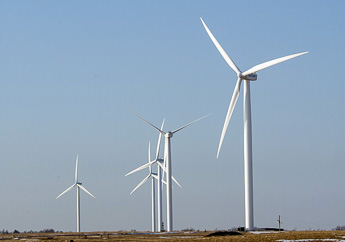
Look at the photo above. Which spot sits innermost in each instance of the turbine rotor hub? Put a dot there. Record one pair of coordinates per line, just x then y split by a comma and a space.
251, 77
169, 135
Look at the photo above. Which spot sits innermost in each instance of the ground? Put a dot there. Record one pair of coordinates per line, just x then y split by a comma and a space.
285, 236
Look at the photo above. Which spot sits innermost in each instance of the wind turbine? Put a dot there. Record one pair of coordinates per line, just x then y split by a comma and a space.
167, 158
246, 76
153, 176
158, 176
78, 185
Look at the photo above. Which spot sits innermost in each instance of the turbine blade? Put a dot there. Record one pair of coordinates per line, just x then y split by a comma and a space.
230, 110
68, 189
76, 170
190, 123
271, 63
176, 181
159, 141
141, 167
150, 168
149, 152
162, 166
221, 50
162, 132
82, 187
141, 183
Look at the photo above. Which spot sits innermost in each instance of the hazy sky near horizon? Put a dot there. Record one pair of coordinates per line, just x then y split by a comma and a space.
68, 68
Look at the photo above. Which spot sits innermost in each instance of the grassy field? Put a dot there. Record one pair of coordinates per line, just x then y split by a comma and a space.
180, 236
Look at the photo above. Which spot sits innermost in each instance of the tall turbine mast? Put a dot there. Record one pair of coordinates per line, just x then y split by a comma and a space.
247, 76
159, 185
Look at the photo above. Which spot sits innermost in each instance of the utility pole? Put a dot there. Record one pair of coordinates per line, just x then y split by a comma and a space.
279, 222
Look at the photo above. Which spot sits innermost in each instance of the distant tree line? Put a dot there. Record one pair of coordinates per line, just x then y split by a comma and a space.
5, 231
339, 228
188, 229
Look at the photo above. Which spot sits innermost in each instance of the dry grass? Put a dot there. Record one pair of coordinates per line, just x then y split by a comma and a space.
179, 236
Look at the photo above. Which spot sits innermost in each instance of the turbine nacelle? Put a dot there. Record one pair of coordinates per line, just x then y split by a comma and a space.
249, 77
169, 134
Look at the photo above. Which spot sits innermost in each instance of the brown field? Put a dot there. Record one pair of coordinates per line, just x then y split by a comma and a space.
180, 236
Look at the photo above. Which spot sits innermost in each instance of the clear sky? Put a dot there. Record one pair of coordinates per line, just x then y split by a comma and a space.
67, 69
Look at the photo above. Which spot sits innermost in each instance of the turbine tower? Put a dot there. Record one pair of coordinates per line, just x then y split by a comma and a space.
167, 158
247, 77
78, 185
159, 185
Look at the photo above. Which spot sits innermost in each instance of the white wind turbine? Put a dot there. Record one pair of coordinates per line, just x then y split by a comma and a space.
159, 186
161, 166
78, 185
167, 158
246, 76
153, 176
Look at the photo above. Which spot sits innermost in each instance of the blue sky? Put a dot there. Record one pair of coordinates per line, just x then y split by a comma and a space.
69, 67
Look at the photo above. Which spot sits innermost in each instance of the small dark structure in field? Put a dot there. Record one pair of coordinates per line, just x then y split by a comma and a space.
223, 233
271, 229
